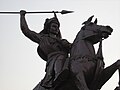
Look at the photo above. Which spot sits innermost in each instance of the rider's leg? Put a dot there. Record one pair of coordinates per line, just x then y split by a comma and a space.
61, 69
47, 81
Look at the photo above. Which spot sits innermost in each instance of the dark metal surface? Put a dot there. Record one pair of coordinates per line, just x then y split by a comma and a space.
37, 12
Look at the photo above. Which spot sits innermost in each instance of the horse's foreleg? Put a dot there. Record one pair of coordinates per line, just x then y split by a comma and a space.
107, 73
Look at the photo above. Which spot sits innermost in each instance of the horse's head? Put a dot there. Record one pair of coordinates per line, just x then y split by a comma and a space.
93, 32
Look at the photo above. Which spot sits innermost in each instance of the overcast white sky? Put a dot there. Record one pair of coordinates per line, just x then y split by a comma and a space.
20, 66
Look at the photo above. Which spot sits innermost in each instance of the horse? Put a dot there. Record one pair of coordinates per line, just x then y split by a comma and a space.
87, 69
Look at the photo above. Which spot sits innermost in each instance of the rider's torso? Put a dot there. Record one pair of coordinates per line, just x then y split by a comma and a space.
49, 45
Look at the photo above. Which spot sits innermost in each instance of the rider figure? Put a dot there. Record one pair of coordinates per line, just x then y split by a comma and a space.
52, 48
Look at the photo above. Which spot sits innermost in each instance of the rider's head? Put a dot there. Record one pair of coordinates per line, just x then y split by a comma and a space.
51, 23
52, 26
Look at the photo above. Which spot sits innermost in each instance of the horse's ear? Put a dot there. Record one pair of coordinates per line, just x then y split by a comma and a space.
89, 20
95, 22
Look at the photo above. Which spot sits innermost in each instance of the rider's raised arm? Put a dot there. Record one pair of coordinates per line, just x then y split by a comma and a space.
25, 29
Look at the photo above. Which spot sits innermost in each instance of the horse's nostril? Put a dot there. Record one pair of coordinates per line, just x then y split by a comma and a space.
109, 28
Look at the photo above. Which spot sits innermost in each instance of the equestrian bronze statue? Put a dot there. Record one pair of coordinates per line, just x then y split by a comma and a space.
71, 66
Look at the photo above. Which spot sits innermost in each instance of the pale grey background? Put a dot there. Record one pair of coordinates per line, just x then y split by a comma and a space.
20, 66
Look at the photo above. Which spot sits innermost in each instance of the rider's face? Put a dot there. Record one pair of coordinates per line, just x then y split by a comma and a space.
54, 28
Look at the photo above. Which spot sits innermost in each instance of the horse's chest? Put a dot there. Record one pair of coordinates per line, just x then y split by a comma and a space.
83, 66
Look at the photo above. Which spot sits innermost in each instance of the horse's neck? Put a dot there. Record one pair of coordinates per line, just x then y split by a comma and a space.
82, 48
89, 47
